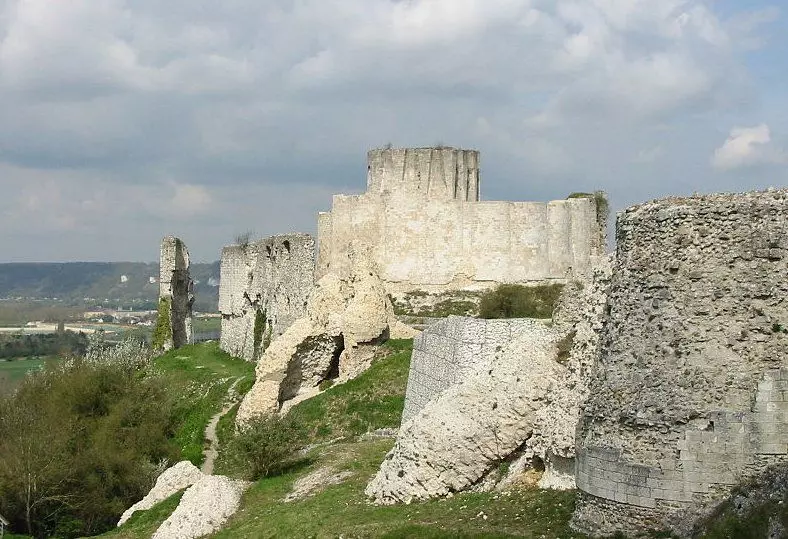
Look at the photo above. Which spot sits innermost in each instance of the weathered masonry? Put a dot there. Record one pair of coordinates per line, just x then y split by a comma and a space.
176, 295
264, 289
447, 352
426, 229
690, 394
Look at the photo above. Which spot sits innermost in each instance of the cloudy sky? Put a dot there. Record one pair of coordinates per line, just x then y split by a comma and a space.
125, 120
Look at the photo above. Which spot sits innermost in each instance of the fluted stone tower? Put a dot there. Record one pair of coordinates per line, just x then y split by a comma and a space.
433, 173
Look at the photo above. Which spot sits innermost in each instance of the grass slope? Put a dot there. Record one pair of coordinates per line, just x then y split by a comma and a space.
200, 375
342, 510
145, 523
372, 401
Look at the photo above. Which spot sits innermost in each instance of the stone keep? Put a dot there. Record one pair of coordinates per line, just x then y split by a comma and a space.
426, 229
272, 277
689, 395
177, 289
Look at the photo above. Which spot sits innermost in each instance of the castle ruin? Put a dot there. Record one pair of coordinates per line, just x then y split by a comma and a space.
425, 227
688, 398
176, 295
264, 288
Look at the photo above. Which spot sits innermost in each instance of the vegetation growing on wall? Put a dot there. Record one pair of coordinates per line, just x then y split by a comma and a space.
517, 301
259, 331
436, 305
243, 239
162, 333
601, 202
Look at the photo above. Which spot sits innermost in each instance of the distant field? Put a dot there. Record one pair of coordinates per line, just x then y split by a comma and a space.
11, 372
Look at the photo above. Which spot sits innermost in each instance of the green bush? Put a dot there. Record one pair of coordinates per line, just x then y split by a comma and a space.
265, 445
80, 441
517, 301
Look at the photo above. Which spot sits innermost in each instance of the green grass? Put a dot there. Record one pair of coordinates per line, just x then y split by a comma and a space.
145, 523
342, 510
206, 324
373, 400
200, 375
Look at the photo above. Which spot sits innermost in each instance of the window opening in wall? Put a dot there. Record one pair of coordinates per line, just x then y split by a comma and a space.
268, 251
286, 245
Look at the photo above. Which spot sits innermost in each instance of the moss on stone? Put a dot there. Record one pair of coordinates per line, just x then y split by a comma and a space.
162, 333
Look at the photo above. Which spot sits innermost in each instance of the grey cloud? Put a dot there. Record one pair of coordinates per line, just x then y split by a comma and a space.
246, 114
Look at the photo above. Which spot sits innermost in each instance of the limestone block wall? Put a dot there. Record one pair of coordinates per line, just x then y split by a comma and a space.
436, 173
423, 225
273, 276
450, 245
688, 396
445, 353
177, 288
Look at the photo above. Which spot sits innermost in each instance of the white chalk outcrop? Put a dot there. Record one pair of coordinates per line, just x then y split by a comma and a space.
455, 439
204, 508
173, 479
528, 401
346, 321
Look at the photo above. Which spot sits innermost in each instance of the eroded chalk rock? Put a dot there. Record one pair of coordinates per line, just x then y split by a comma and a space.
177, 477
455, 439
346, 321
523, 400
204, 508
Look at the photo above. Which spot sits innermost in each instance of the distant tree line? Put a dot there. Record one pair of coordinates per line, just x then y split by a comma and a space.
62, 343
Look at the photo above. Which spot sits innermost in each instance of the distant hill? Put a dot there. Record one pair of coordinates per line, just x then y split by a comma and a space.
111, 284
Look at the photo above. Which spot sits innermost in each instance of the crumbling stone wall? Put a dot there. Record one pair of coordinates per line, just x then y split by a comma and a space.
447, 352
176, 291
263, 283
687, 399
423, 224
345, 323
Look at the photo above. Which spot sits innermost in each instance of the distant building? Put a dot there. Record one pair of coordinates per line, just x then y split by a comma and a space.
3, 525
124, 279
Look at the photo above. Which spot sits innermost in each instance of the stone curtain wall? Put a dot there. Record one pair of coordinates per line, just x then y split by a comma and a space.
441, 243
445, 353
688, 399
177, 288
274, 276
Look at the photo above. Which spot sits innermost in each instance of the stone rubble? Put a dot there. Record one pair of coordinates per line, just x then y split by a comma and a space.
173, 479
204, 508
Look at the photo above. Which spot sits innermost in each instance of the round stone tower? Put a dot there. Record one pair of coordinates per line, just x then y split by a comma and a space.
435, 173
690, 396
